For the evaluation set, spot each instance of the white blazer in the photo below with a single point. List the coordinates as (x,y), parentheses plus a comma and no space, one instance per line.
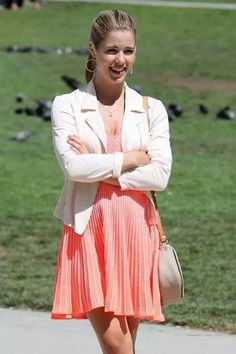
(77,113)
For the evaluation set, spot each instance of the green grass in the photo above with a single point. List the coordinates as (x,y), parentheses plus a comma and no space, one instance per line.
(203,1)
(209,1)
(198,207)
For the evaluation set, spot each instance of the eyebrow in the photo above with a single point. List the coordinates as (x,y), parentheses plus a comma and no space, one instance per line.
(115,47)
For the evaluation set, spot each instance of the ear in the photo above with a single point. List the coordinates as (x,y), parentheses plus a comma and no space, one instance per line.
(91,49)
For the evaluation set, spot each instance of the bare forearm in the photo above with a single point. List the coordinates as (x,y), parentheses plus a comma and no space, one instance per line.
(134,159)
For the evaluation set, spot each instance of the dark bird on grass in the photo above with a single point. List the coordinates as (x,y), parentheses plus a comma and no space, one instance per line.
(29,111)
(226,113)
(82,51)
(19,49)
(71,82)
(19,110)
(43,50)
(44,109)
(20,97)
(46,116)
(44,104)
(171,115)
(175,109)
(203,108)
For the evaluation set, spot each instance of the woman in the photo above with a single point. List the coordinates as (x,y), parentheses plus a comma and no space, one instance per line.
(112,156)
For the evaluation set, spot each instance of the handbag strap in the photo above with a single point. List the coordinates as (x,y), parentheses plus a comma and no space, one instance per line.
(162,236)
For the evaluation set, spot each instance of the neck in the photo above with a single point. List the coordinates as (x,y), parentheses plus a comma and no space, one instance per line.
(108,94)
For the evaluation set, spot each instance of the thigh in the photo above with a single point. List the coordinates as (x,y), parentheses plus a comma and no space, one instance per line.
(133,324)
(112,330)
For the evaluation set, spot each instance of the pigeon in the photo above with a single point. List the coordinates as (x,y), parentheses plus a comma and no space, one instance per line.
(19,49)
(20,97)
(13,48)
(43,50)
(65,51)
(175,109)
(71,82)
(45,104)
(46,115)
(30,111)
(68,50)
(19,110)
(82,51)
(226,113)
(21,136)
(203,108)
(59,51)
(171,115)
(44,109)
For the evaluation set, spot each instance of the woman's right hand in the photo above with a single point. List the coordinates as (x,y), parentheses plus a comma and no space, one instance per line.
(135,159)
(142,158)
(77,144)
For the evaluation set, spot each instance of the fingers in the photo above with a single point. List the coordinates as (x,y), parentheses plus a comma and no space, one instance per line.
(112,180)
(77,145)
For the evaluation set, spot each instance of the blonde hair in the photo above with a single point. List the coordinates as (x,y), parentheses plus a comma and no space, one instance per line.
(106,22)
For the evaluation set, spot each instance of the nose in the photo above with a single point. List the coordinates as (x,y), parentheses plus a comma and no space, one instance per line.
(120,58)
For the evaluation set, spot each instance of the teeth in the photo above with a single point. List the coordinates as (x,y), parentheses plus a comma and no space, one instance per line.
(118,70)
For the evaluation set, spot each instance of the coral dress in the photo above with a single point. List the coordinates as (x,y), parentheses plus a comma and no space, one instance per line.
(114,264)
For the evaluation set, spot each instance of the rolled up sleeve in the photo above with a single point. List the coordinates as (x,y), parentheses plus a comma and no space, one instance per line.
(154,176)
(118,163)
(86,168)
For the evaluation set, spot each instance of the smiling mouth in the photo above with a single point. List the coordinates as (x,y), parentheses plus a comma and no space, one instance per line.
(118,70)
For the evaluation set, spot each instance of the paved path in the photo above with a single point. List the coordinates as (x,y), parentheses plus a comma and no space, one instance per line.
(181,4)
(30,332)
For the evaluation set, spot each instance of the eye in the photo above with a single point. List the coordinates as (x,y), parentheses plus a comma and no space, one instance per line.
(129,51)
(111,51)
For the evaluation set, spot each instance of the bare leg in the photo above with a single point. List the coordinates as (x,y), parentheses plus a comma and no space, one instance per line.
(112,331)
(133,324)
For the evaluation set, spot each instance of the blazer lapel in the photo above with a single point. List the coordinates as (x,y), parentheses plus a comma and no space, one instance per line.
(134,113)
(91,114)
(95,122)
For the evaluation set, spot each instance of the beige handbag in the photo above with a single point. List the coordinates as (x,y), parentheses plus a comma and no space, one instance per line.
(171,282)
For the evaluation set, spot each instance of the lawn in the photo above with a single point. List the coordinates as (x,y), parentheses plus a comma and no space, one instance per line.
(209,1)
(185,56)
(186,1)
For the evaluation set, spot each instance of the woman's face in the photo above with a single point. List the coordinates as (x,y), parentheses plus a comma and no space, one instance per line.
(115,56)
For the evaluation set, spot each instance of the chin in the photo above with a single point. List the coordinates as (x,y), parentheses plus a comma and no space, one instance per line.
(118,80)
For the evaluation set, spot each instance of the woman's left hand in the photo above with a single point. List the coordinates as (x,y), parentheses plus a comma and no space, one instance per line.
(77,144)
(112,180)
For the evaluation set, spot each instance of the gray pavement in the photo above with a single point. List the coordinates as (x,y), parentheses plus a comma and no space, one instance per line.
(31,332)
(181,4)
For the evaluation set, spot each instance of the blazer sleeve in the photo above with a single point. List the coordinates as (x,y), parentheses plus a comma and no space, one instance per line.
(154,176)
(85,168)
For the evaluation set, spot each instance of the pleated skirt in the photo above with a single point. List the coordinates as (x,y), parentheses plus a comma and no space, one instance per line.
(114,264)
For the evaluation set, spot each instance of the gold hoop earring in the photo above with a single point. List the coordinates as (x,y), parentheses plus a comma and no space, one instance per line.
(86,65)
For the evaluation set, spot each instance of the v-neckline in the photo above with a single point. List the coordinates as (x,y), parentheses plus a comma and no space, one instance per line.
(123,118)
